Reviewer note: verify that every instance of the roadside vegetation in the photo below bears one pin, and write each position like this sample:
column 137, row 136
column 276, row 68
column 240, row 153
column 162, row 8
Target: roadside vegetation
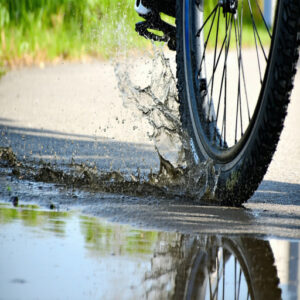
column 38, row 31
column 33, row 31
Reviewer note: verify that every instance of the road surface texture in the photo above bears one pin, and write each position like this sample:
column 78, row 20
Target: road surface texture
column 76, row 111
column 72, row 114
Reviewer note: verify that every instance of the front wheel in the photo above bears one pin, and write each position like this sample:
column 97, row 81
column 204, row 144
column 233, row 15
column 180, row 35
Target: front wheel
column 235, row 71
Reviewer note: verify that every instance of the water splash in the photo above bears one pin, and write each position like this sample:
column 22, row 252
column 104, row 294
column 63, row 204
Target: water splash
column 181, row 171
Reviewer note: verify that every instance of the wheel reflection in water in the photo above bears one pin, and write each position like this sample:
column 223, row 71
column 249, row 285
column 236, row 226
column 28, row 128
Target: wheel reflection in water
column 230, row 269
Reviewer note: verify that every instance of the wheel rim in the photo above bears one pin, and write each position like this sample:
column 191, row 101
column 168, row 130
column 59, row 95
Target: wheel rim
column 222, row 109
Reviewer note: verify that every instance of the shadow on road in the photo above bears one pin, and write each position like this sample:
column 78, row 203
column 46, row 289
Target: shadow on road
column 107, row 154
column 278, row 193
column 59, row 147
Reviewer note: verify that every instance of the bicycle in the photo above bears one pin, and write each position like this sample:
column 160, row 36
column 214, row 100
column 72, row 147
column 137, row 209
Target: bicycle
column 230, row 120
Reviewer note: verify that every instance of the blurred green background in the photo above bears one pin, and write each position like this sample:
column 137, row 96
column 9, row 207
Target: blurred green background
column 45, row 30
column 37, row 31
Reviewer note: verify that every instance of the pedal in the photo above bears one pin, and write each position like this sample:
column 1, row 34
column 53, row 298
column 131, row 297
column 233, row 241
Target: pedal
column 154, row 22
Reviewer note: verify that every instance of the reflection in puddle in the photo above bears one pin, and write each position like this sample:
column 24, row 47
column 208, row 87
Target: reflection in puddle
column 60, row 255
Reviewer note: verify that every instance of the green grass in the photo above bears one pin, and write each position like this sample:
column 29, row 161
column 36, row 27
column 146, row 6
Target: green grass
column 34, row 31
column 42, row 30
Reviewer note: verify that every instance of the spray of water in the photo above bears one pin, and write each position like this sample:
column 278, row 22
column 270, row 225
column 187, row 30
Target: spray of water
column 180, row 172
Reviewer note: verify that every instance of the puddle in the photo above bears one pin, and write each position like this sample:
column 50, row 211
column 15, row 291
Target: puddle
column 65, row 255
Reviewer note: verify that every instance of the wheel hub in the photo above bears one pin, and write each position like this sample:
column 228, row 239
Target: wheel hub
column 229, row 6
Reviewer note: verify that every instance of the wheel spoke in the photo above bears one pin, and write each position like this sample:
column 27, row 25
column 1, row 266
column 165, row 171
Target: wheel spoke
column 238, row 40
column 240, row 26
column 218, row 59
column 256, row 32
column 206, row 42
column 199, row 31
column 263, row 19
column 255, row 45
column 225, row 92
column 239, row 80
column 239, row 285
column 215, row 52
column 241, row 64
column 221, row 87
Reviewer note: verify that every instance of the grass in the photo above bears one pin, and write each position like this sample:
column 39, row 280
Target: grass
column 37, row 31
column 44, row 30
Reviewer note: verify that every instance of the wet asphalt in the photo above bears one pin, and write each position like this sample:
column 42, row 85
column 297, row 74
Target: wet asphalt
column 74, row 113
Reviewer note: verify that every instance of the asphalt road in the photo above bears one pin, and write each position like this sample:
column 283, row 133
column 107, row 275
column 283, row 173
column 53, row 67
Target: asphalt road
column 76, row 111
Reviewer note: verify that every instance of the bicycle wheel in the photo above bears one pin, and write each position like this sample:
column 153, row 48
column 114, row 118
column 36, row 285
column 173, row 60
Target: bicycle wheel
column 235, row 71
